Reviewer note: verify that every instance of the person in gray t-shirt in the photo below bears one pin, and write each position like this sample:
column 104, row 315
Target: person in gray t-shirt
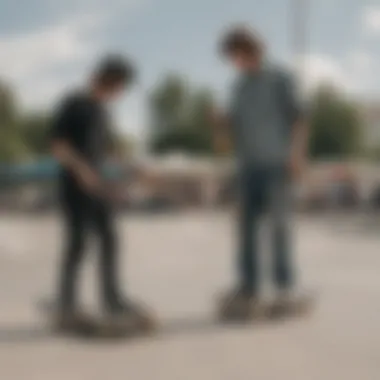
column 268, row 128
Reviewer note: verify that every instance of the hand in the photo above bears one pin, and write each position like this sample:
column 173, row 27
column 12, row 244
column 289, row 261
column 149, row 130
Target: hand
column 89, row 180
column 297, row 166
column 118, row 193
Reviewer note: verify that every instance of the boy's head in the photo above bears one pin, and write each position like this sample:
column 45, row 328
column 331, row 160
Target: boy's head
column 112, row 75
column 242, row 48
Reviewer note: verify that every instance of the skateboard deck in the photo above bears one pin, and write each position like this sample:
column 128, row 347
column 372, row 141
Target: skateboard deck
column 98, row 326
column 301, row 307
column 267, row 310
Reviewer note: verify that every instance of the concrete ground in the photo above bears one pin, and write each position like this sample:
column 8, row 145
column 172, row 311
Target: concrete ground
column 177, row 264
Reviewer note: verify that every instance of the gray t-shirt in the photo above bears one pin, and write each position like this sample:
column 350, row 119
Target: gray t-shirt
column 263, row 110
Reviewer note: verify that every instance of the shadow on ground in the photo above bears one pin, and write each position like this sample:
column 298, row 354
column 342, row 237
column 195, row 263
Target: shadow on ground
column 363, row 224
column 23, row 334
column 38, row 333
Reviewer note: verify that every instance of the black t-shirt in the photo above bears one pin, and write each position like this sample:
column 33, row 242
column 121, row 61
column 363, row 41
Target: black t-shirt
column 82, row 122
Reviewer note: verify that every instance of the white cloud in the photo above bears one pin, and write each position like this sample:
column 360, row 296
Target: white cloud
column 371, row 20
column 353, row 74
column 323, row 69
column 28, row 61
column 33, row 53
column 360, row 61
column 41, row 63
column 360, row 66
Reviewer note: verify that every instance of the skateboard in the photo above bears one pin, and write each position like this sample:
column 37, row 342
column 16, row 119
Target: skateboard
column 123, row 326
column 301, row 306
column 242, row 312
column 266, row 310
column 99, row 326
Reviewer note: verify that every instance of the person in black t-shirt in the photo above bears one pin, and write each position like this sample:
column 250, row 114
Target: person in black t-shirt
column 79, row 140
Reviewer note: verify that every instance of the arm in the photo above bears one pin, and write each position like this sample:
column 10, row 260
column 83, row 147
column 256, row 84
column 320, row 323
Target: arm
column 296, row 118
column 300, row 138
column 65, row 153
column 71, row 160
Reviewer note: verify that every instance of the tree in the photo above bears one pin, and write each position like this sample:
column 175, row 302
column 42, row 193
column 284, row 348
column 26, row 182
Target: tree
column 8, row 110
column 168, row 105
column 21, row 136
column 12, row 148
column 34, row 129
column 180, row 118
column 335, row 125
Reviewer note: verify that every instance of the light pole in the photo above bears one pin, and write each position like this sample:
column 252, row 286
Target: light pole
column 300, row 11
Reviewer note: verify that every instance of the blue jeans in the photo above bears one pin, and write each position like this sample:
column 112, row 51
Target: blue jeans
column 264, row 190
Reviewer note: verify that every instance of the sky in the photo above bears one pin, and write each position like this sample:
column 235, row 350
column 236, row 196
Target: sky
column 49, row 46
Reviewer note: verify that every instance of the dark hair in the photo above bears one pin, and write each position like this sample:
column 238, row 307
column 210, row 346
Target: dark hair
column 241, row 40
column 114, row 70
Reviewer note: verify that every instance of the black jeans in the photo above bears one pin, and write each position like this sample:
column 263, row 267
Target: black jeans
column 264, row 190
column 83, row 214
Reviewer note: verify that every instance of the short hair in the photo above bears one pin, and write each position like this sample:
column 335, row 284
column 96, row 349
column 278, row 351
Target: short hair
column 241, row 40
column 114, row 70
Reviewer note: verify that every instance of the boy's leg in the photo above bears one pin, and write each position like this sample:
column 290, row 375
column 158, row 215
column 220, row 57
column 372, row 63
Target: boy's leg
column 123, row 314
column 244, row 302
column 281, row 203
column 102, row 219
column 68, row 317
column 75, row 224
column 247, row 234
column 288, row 300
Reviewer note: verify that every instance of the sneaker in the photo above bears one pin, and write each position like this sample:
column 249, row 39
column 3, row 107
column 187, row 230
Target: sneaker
column 73, row 322
column 240, row 306
column 130, row 316
column 290, row 302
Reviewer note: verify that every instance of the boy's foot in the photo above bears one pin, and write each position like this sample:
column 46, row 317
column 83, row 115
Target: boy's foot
column 290, row 302
column 73, row 322
column 241, row 306
column 129, row 317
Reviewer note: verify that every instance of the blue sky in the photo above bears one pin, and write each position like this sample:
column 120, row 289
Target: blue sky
column 47, row 46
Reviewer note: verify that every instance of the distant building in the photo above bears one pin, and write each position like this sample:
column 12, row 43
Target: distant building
column 189, row 182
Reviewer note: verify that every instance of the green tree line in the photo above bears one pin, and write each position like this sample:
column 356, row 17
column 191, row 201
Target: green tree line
column 180, row 121
column 22, row 135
